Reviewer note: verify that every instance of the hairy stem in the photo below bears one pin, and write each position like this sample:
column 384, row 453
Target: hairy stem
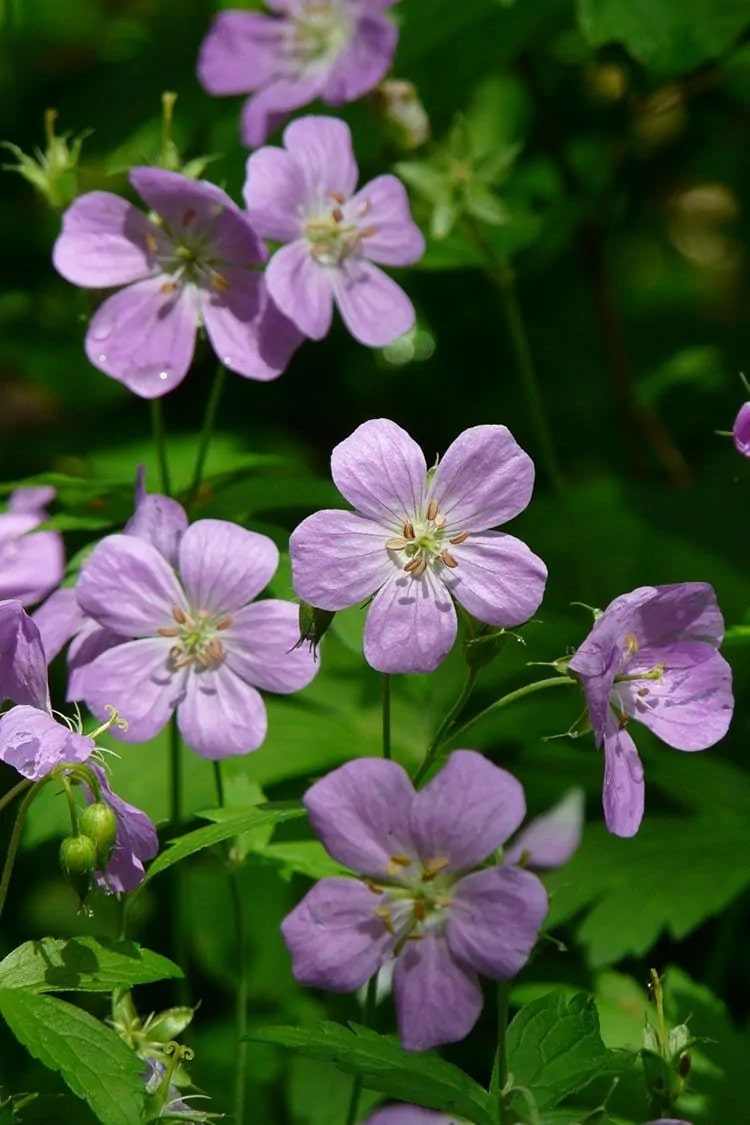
column 11, row 795
column 500, row 1070
column 160, row 445
column 207, row 431
column 367, row 1020
column 511, row 697
column 15, row 838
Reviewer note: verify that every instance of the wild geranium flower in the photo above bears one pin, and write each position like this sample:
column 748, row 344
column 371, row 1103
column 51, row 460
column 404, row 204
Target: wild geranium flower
column 193, row 640
column 417, row 541
column 304, row 195
column 652, row 656
column 741, row 430
column 419, row 899
column 411, row 1115
column 193, row 261
column 333, row 49
column 136, row 840
column 31, row 562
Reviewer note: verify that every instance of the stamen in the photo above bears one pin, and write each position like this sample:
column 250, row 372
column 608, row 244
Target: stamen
column 171, row 632
column 376, row 890
column 175, row 652
column 219, row 282
column 363, row 208
column 416, row 567
column 415, row 936
column 188, row 217
column 448, row 559
column 409, row 530
column 179, row 615
column 368, row 232
column 337, row 215
column 419, row 910
column 396, row 544
column 460, row 538
column 433, row 867
column 631, row 644
column 443, row 900
column 152, row 243
column 623, row 720
column 224, row 623
column 439, row 520
column 169, row 287
column 432, row 509
column 385, row 916
column 643, row 692
column 337, row 197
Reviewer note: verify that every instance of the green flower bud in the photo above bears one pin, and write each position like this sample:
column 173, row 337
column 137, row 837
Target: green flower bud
column 168, row 1024
column 313, row 624
column 53, row 172
column 99, row 822
column 78, row 862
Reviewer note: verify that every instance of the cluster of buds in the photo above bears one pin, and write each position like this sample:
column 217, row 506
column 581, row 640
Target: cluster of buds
column 89, row 849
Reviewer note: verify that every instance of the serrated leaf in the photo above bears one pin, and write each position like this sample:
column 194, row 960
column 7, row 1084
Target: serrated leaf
column 82, row 964
column 91, row 1058
column 382, row 1064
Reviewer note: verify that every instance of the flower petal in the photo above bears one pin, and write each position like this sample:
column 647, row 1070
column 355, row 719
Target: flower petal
column 438, row 1000
column 224, row 566
column 551, row 839
column 374, row 308
column 274, row 194
column 144, row 336
column 338, row 559
column 104, row 242
column 32, row 500
column 240, row 53
column 247, row 331
column 335, row 938
column 58, row 619
column 301, row 288
column 322, row 148
column 498, row 579
column 220, row 715
column 397, row 240
column 260, row 647
column 361, row 813
column 411, row 625
column 382, row 472
column 401, row 1114
column 34, row 743
column 23, row 667
column 467, row 811
column 129, row 587
column 32, row 565
column 135, row 678
column 623, row 792
column 160, row 521
column 495, row 919
column 264, row 111
column 363, row 62
column 136, row 840
column 89, row 643
column 677, row 624
column 483, row 479
column 691, row 708
column 741, row 430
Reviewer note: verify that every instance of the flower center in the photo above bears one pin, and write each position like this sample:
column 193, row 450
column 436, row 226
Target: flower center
column 422, row 543
column 334, row 235
column 187, row 259
column 418, row 900
column 196, row 637
column 318, row 33
column 626, row 697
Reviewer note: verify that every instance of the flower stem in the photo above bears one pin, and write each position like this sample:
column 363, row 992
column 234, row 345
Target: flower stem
column 500, row 1069
column 160, row 444
column 367, row 1020
column 386, row 715
column 179, row 931
column 175, row 775
column 204, row 442
column 444, row 729
column 11, row 795
column 15, row 839
column 519, row 693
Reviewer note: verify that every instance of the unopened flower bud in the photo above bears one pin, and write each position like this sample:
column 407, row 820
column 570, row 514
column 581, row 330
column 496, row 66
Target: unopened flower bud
column 313, row 624
column 78, row 863
column 401, row 108
column 52, row 172
column 99, row 823
column 169, row 1024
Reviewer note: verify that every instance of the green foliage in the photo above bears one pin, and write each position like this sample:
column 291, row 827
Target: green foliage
column 82, row 964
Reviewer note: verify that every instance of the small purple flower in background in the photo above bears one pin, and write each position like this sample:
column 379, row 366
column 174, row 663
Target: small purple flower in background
column 668, row 1121
column 550, row 839
column 333, row 49
column 652, row 656
column 418, row 900
column 741, row 430
column 418, row 540
column 31, row 562
column 136, row 841
column 191, row 641
column 304, row 195
column 197, row 263
column 411, row 1115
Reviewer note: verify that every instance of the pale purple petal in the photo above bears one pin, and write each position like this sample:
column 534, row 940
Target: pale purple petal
column 483, row 479
column 691, row 708
column 34, row 743
column 247, row 331
column 90, row 642
column 374, row 308
column 438, row 1000
column 302, row 288
column 677, row 615
column 32, row 565
column 408, row 1115
column 23, row 667
column 224, row 566
column 552, row 838
column 160, row 521
column 363, row 62
column 221, row 715
column 467, row 811
column 103, row 242
column 239, row 53
column 260, row 647
column 264, row 111
column 136, row 679
column 58, row 619
column 136, row 841
column 397, row 240
column 322, row 148
column 335, row 938
column 129, row 587
column 144, row 336
column 741, row 430
column 495, row 919
column 411, row 625
column 275, row 194
column 338, row 559
column 361, row 813
column 624, row 790
column 498, row 579
column 382, row 472
column 32, row 500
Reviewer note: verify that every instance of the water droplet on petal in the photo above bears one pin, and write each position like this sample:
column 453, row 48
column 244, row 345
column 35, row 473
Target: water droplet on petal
column 101, row 358
column 635, row 767
column 163, row 374
column 226, row 360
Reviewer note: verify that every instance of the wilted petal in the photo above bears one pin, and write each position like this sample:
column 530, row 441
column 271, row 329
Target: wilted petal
column 275, row 194
column 382, row 472
column 438, row 1000
column 322, row 148
column 467, row 811
column 498, row 579
column 483, row 479
column 623, row 793
column 221, row 715
column 135, row 678
column 224, row 566
column 265, row 111
column 34, row 743
column 136, row 840
column 374, row 308
column 361, row 813
column 160, row 521
column 129, row 587
column 552, row 838
column 495, row 919
column 335, row 938
column 239, row 53
column 691, row 708
column 411, row 625
column 301, row 288
column 260, row 647
column 397, row 240
column 104, row 242
column 338, row 559
column 363, row 62
column 741, row 430
column 23, row 667
column 58, row 619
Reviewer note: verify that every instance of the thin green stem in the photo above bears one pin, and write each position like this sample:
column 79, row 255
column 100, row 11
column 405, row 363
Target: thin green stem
column 179, row 931
column 160, row 444
column 219, row 782
column 520, row 693
column 386, row 715
column 367, row 1019
column 207, row 431
column 15, row 838
column 11, row 795
column 444, row 730
column 500, row 1070
column 175, row 775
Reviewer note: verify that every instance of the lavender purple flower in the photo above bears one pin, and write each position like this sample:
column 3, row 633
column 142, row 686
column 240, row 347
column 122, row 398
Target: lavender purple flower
column 333, row 49
column 741, row 430
column 417, row 541
column 31, row 562
column 652, row 656
column 410, row 1115
column 136, row 840
column 419, row 899
column 304, row 195
column 196, row 263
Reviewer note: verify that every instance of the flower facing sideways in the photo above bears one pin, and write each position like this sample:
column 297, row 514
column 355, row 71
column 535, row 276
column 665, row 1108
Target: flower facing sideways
column 417, row 541
column 419, row 899
column 741, row 430
column 304, row 195
column 652, row 657
column 31, row 562
column 135, row 842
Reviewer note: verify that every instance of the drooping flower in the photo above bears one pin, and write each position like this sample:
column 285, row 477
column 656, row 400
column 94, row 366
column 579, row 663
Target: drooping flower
column 136, row 840
column 403, row 1114
column 196, row 262
column 333, row 49
column 652, row 656
column 741, row 430
column 304, row 195
column 419, row 899
column 419, row 540
column 31, row 562
column 194, row 640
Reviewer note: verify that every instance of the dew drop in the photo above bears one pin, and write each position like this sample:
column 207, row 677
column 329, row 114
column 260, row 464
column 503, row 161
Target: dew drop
column 226, row 360
column 101, row 358
column 163, row 374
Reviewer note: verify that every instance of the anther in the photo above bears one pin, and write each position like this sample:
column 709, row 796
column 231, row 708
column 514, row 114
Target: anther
column 419, row 910
column 224, row 623
column 460, row 538
column 376, row 890
column 368, row 232
column 416, row 567
column 337, row 215
column 385, row 916
column 631, row 644
column 188, row 217
column 169, row 287
column 448, row 559
column 152, row 242
column 414, row 936
column 337, row 197
column 396, row 544
column 219, row 282
column 363, row 208
column 432, row 509
column 433, row 867
column 623, row 720
column 442, row 900
column 409, row 530
column 643, row 692
column 179, row 615
column 171, row 632
column 439, row 520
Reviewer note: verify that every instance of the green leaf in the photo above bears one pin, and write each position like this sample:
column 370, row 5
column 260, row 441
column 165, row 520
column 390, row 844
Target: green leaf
column 382, row 1064
column 302, row 857
column 82, row 964
column 93, row 1061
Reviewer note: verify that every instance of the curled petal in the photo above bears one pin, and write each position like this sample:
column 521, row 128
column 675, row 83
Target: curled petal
column 495, row 919
column 411, row 625
column 382, row 472
column 32, row 565
column 498, row 579
column 260, row 647
column 220, row 715
column 374, row 308
column 551, row 839
column 438, row 1000
column 104, row 242
column 338, row 559
column 224, row 566
column 136, row 841
column 681, row 614
column 623, row 793
column 483, row 479
column 34, row 743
